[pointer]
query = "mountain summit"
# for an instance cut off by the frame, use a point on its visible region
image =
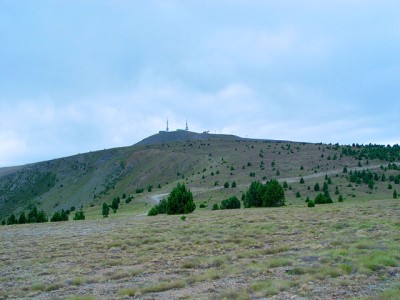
(182, 136)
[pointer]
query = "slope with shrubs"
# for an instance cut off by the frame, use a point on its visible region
(205, 166)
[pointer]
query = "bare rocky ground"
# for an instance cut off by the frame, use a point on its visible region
(336, 251)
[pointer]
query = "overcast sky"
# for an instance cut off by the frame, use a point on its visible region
(77, 76)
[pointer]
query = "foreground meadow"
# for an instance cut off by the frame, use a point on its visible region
(338, 251)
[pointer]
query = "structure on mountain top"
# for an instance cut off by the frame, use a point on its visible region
(167, 129)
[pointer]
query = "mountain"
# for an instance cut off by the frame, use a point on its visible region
(203, 161)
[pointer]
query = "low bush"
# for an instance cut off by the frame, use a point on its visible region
(230, 203)
(180, 201)
(79, 215)
(311, 203)
(59, 216)
(322, 199)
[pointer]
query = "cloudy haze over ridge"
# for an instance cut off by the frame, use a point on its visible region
(77, 76)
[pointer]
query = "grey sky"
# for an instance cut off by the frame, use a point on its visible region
(77, 76)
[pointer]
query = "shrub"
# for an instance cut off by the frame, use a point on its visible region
(215, 206)
(322, 199)
(390, 186)
(35, 216)
(230, 203)
(298, 195)
(202, 205)
(105, 210)
(22, 218)
(260, 195)
(340, 199)
(153, 211)
(138, 191)
(160, 208)
(383, 178)
(337, 190)
(254, 195)
(316, 187)
(274, 194)
(302, 180)
(59, 216)
(233, 184)
(115, 205)
(310, 203)
(307, 199)
(79, 215)
(394, 194)
(183, 218)
(180, 201)
(226, 185)
(12, 220)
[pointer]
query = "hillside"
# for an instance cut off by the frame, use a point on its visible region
(331, 251)
(203, 161)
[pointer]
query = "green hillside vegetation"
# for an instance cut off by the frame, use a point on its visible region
(263, 219)
(214, 169)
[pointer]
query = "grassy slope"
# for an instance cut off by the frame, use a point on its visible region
(342, 250)
(333, 251)
(90, 179)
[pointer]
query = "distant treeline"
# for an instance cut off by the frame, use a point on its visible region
(384, 153)
(36, 216)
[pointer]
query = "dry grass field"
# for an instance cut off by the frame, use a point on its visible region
(337, 251)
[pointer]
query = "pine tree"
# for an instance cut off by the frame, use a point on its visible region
(79, 215)
(180, 201)
(12, 220)
(115, 205)
(105, 210)
(274, 194)
(230, 203)
(22, 218)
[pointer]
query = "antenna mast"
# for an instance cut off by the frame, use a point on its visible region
(187, 128)
(167, 125)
